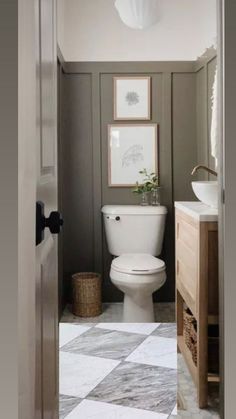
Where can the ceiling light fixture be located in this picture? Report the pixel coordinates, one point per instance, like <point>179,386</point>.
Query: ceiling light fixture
<point>138,14</point>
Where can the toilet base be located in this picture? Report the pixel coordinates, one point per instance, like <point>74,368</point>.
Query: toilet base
<point>135,312</point>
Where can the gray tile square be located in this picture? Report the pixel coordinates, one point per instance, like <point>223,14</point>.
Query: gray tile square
<point>139,386</point>
<point>103,343</point>
<point>67,404</point>
<point>188,392</point>
<point>166,330</point>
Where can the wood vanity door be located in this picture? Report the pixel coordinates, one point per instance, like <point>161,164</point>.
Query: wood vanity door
<point>197,287</point>
<point>187,258</point>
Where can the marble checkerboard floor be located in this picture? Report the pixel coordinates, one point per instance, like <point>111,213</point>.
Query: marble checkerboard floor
<point>118,371</point>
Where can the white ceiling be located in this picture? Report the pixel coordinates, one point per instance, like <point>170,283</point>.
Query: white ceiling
<point>91,30</point>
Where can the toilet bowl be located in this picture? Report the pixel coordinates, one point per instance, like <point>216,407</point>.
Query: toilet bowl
<point>134,237</point>
<point>138,276</point>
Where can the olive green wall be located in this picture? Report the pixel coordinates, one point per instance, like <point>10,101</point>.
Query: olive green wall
<point>86,110</point>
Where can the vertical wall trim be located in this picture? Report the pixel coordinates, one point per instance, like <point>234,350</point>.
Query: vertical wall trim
<point>166,136</point>
<point>167,117</point>
<point>10,18</point>
<point>205,119</point>
<point>172,140</point>
<point>97,180</point>
<point>206,101</point>
<point>220,43</point>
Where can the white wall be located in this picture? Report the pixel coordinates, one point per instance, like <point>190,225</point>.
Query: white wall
<point>61,24</point>
<point>93,31</point>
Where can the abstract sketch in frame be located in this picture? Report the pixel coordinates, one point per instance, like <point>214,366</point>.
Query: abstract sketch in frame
<point>131,148</point>
<point>132,98</point>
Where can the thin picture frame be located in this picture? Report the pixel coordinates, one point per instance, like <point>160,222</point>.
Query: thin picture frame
<point>153,146</point>
<point>118,97</point>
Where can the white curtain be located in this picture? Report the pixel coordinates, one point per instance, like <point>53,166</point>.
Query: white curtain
<point>214,122</point>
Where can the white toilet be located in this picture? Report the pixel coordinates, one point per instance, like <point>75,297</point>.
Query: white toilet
<point>135,236</point>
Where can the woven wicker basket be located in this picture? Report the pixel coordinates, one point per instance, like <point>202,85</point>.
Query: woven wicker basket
<point>190,337</point>
<point>190,333</point>
<point>87,294</point>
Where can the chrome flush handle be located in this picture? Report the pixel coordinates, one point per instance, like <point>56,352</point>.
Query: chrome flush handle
<point>115,218</point>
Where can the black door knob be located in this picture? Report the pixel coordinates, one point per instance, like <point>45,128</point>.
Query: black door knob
<point>54,222</point>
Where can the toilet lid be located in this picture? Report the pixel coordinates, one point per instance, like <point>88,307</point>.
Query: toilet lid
<point>138,263</point>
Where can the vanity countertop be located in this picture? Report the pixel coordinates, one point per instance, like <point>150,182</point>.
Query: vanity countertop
<point>198,210</point>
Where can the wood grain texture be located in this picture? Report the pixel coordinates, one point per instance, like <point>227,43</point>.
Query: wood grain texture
<point>197,286</point>
<point>202,318</point>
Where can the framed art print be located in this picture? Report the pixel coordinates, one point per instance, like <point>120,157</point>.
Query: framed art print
<point>131,148</point>
<point>132,98</point>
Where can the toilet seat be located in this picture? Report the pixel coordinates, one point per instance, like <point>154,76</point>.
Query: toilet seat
<point>138,264</point>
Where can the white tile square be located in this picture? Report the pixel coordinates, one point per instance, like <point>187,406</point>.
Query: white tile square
<point>156,351</point>
<point>79,374</point>
<point>174,412</point>
<point>68,332</point>
<point>140,328</point>
<point>89,409</point>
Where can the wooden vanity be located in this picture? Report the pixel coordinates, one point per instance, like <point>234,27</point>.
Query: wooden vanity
<point>197,285</point>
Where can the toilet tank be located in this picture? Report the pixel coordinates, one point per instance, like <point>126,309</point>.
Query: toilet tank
<point>134,228</point>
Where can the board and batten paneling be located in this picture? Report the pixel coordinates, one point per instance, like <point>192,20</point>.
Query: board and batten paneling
<point>184,134</point>
<point>87,97</point>
<point>77,170</point>
<point>201,121</point>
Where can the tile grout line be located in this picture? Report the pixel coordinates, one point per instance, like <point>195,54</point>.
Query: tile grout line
<point>120,362</point>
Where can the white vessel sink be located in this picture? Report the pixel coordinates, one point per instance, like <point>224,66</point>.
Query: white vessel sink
<point>206,192</point>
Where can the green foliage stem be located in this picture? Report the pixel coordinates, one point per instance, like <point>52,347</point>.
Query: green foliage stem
<point>150,183</point>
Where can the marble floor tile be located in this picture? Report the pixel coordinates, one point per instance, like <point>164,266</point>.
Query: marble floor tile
<point>67,404</point>
<point>113,312</point>
<point>68,332</point>
<point>187,389</point>
<point>139,328</point>
<point>79,374</point>
<point>156,351</point>
<point>138,386</point>
<point>164,312</point>
<point>89,409</point>
<point>103,343</point>
<point>174,412</point>
<point>166,330</point>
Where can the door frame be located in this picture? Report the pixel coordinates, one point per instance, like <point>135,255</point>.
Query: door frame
<point>14,180</point>
<point>17,208</point>
<point>227,67</point>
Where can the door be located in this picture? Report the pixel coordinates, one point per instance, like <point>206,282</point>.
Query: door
<point>46,192</point>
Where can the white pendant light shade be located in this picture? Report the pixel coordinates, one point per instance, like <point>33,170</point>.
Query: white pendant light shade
<point>138,14</point>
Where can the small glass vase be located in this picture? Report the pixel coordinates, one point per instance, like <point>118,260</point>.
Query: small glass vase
<point>144,199</point>
<point>155,197</point>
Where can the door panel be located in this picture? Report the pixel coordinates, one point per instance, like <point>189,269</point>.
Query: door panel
<point>47,86</point>
<point>46,252</point>
<point>49,330</point>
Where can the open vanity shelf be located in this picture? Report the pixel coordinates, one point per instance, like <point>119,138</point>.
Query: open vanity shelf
<point>197,287</point>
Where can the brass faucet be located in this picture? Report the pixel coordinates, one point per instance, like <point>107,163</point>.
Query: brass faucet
<point>200,166</point>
